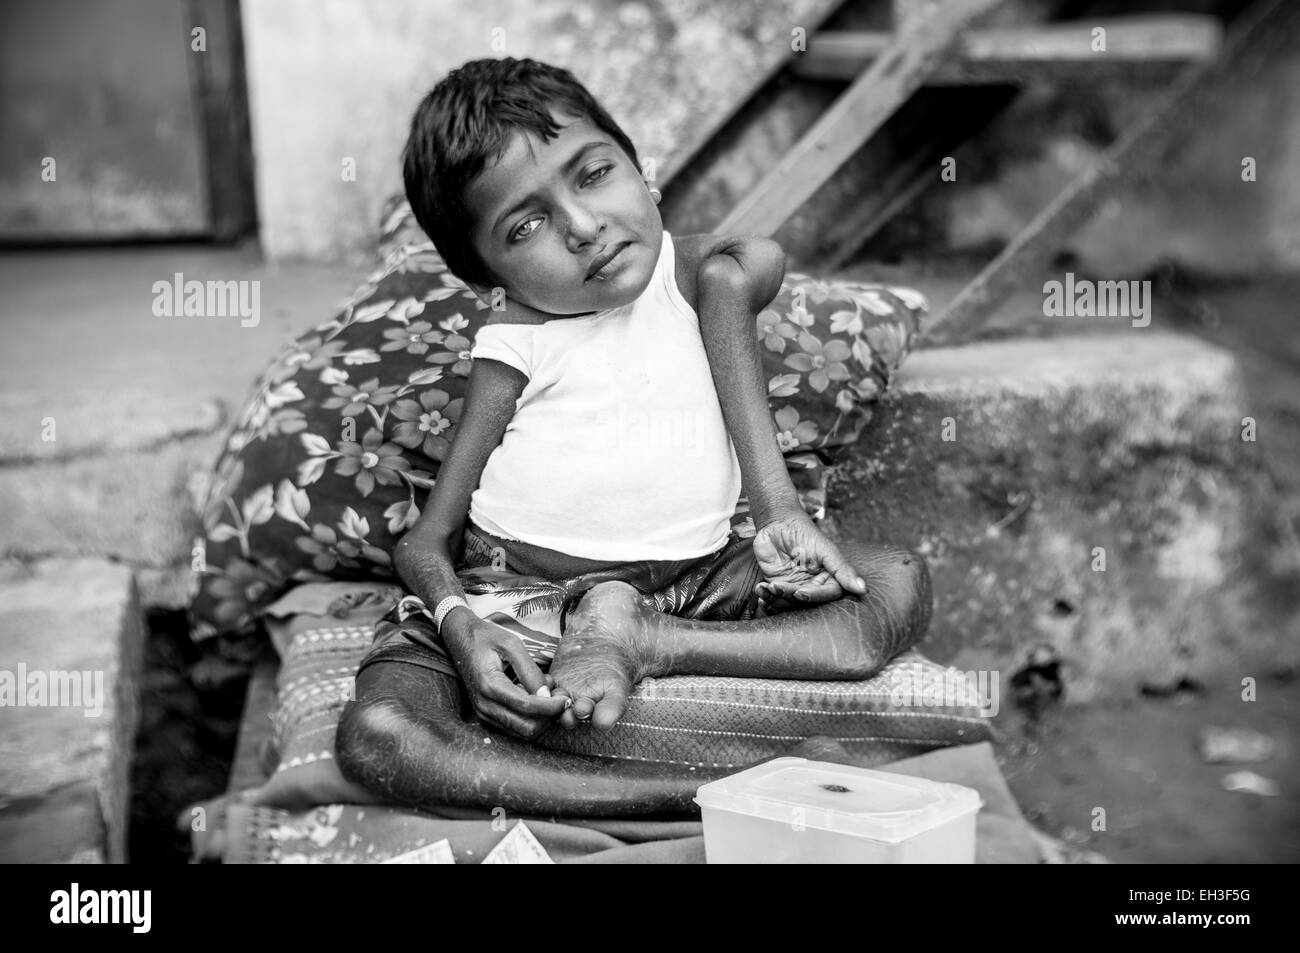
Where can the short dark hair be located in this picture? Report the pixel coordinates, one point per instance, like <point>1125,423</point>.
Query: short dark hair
<point>468,118</point>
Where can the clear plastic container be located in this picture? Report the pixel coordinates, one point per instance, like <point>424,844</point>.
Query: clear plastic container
<point>795,811</point>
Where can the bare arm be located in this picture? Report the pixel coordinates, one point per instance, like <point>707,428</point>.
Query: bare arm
<point>738,278</point>
<point>424,561</point>
<point>423,556</point>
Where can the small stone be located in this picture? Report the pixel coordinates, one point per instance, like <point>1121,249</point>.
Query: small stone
<point>1219,745</point>
<point>1248,782</point>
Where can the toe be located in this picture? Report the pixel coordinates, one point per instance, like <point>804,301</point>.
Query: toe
<point>582,708</point>
<point>610,710</point>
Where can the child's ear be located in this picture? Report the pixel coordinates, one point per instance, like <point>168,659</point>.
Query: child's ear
<point>493,296</point>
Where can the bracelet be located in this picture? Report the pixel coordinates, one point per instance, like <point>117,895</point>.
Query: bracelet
<point>444,607</point>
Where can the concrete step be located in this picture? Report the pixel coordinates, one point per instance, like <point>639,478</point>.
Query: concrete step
<point>137,401</point>
<point>133,505</point>
<point>36,426</point>
<point>1091,494</point>
<point>71,649</point>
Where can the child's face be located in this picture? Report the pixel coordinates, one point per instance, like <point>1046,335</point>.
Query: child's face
<point>545,212</point>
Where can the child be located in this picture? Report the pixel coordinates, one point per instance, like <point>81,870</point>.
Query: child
<point>615,408</point>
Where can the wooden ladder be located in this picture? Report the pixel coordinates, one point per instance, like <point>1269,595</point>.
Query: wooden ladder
<point>940,44</point>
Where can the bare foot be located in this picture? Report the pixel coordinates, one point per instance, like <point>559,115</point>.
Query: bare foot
<point>600,659</point>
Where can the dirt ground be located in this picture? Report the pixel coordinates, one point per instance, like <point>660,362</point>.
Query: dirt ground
<point>1139,762</point>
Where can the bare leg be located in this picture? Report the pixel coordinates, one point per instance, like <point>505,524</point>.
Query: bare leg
<point>615,638</point>
<point>404,739</point>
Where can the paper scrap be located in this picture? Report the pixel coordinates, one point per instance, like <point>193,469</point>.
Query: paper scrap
<point>439,852</point>
<point>518,847</point>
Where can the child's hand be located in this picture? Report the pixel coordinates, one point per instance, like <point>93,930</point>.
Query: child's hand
<point>799,563</point>
<point>481,651</point>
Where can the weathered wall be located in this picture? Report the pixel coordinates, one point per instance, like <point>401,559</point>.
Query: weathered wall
<point>333,79</point>
<point>1193,210</point>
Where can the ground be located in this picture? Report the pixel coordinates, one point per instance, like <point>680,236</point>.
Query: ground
<point>1139,761</point>
<point>1162,803</point>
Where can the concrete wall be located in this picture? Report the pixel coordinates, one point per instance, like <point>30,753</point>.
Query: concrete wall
<point>1193,210</point>
<point>335,79</point>
<point>1197,210</point>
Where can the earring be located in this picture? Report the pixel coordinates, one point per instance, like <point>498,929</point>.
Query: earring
<point>655,195</point>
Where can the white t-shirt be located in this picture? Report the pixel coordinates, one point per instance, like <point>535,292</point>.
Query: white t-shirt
<point>617,449</point>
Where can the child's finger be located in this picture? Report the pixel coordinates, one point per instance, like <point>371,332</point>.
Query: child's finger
<point>499,689</point>
<point>834,561</point>
<point>778,589</point>
<point>816,588</point>
<point>511,722</point>
<point>530,676</point>
<point>848,578</point>
<point>824,591</point>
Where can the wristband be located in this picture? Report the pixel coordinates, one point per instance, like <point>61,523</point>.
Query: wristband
<point>444,607</point>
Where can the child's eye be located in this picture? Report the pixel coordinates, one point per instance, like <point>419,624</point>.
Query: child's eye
<point>520,232</point>
<point>598,174</point>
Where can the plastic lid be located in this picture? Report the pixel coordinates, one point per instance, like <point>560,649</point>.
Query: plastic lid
<point>859,802</point>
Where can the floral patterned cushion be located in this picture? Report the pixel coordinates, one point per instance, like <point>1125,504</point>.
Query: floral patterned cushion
<point>333,456</point>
